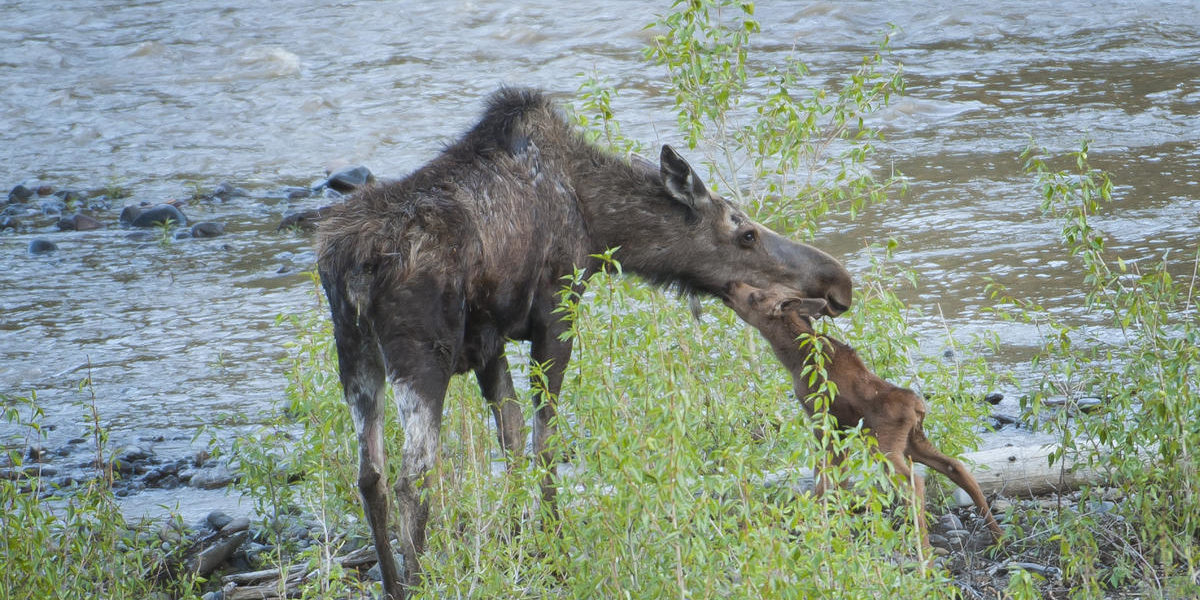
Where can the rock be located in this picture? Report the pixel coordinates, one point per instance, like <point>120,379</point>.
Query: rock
<point>226,190</point>
<point>236,525</point>
<point>994,398</point>
<point>157,215</point>
<point>20,193</point>
<point>40,246</point>
<point>218,520</point>
<point>69,196</point>
<point>9,223</point>
<point>52,206</point>
<point>207,229</point>
<point>1004,419</point>
<point>297,193</point>
<point>1088,404</point>
<point>36,452</point>
<point>949,522</point>
<point>211,479</point>
<point>938,540</point>
<point>347,180</point>
<point>129,213</point>
<point>304,220</point>
<point>134,453</point>
<point>78,222</point>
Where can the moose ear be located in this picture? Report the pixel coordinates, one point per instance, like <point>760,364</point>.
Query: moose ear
<point>642,163</point>
<point>681,179</point>
<point>805,307</point>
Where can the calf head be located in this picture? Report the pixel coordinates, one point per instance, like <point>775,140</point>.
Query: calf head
<point>721,245</point>
<point>780,313</point>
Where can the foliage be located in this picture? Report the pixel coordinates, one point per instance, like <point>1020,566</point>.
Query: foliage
<point>74,545</point>
<point>794,155</point>
<point>1140,361</point>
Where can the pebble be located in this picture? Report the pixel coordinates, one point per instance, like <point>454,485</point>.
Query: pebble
<point>218,520</point>
<point>20,193</point>
<point>949,522</point>
<point>207,229</point>
<point>226,190</point>
<point>40,246</point>
<point>211,478</point>
<point>158,214</point>
<point>78,222</point>
<point>347,180</point>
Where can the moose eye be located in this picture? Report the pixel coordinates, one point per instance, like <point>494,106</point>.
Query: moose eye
<point>747,238</point>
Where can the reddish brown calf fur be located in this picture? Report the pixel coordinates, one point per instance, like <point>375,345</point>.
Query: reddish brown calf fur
<point>892,414</point>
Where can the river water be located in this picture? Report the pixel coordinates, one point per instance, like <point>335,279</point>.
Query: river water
<point>165,98</point>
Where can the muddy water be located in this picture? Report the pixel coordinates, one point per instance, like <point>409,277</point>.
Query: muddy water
<point>168,97</point>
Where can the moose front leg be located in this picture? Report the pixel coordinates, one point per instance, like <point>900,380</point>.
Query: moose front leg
<point>495,382</point>
<point>552,354</point>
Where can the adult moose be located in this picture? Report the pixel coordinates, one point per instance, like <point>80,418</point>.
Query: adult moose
<point>428,276</point>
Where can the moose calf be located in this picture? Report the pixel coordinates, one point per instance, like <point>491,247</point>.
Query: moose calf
<point>892,414</point>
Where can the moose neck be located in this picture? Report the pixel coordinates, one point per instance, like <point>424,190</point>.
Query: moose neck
<point>626,207</point>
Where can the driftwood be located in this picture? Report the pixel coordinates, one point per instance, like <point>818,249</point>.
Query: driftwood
<point>265,584</point>
<point>1024,471</point>
<point>1012,471</point>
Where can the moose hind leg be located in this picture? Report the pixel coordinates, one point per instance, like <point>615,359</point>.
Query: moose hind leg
<point>420,407</point>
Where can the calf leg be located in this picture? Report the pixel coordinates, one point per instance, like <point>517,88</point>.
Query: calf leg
<point>893,439</point>
<point>923,452</point>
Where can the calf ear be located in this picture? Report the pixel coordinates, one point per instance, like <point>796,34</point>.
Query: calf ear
<point>805,307</point>
<point>681,179</point>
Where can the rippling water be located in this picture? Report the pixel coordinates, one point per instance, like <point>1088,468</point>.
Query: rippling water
<point>164,97</point>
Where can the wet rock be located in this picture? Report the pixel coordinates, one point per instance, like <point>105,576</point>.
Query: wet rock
<point>347,180</point>
<point>304,220</point>
<point>20,193</point>
<point>1000,421</point>
<point>226,190</point>
<point>40,246</point>
<point>52,206</point>
<point>69,196</point>
<point>1088,404</point>
<point>7,222</point>
<point>295,193</point>
<point>78,222</point>
<point>949,522</point>
<point>36,452</point>
<point>157,215</point>
<point>212,478</point>
<point>994,398</point>
<point>129,213</point>
<point>217,520</point>
<point>207,229</point>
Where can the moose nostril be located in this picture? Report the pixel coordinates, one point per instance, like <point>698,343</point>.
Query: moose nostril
<point>834,308</point>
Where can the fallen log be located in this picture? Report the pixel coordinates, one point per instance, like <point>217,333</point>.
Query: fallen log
<point>1012,471</point>
<point>1025,471</point>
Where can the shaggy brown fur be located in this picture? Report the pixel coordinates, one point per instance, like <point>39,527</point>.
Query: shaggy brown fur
<point>892,414</point>
<point>428,276</point>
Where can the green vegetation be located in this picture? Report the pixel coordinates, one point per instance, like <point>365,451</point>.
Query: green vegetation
<point>76,545</point>
<point>1145,435</point>
<point>674,425</point>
